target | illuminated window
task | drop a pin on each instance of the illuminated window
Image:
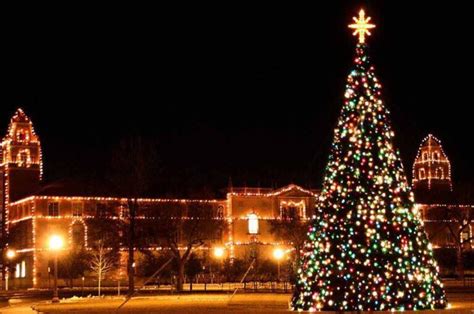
(466, 233)
(53, 209)
(422, 174)
(292, 210)
(23, 269)
(253, 224)
(436, 156)
(424, 156)
(77, 209)
(439, 173)
(20, 270)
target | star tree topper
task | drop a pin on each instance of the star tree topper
(361, 26)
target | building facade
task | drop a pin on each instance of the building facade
(32, 213)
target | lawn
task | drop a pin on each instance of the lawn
(462, 303)
(192, 303)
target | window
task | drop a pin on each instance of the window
(220, 212)
(253, 224)
(439, 173)
(289, 212)
(53, 209)
(22, 136)
(466, 233)
(424, 156)
(23, 158)
(100, 210)
(20, 270)
(436, 156)
(421, 174)
(23, 269)
(77, 209)
(78, 234)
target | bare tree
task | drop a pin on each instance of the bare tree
(101, 264)
(459, 222)
(292, 229)
(134, 165)
(183, 228)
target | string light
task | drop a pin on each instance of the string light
(115, 199)
(274, 192)
(301, 205)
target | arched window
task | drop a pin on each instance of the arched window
(252, 223)
(220, 212)
(422, 174)
(436, 156)
(424, 156)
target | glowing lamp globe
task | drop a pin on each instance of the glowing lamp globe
(278, 254)
(11, 254)
(56, 242)
(218, 252)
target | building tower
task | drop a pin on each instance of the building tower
(20, 163)
(431, 169)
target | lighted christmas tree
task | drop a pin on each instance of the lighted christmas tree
(367, 249)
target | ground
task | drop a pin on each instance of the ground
(274, 303)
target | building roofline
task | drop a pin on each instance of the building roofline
(118, 199)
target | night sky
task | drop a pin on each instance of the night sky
(243, 92)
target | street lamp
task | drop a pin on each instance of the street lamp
(56, 243)
(278, 254)
(219, 252)
(10, 256)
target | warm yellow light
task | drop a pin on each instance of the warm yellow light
(278, 254)
(218, 252)
(361, 26)
(56, 242)
(253, 224)
(11, 254)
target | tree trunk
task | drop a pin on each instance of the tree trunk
(99, 282)
(131, 246)
(459, 263)
(180, 277)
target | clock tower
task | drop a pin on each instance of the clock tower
(20, 163)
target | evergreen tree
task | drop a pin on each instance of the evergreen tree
(367, 249)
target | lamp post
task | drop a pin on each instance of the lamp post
(55, 244)
(219, 254)
(10, 256)
(278, 255)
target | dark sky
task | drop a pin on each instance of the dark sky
(247, 92)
